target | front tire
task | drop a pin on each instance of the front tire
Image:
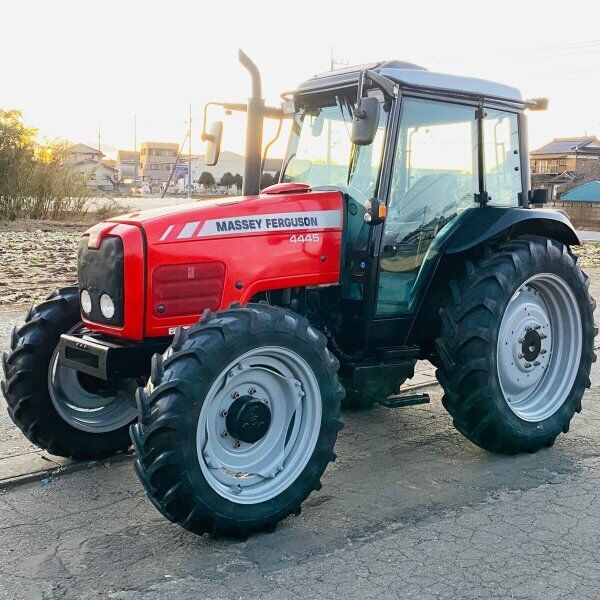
(516, 345)
(55, 408)
(211, 473)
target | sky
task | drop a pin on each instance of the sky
(75, 68)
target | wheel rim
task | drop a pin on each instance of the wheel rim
(539, 347)
(253, 472)
(75, 401)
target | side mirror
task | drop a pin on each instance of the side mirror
(375, 211)
(539, 196)
(539, 104)
(365, 121)
(213, 148)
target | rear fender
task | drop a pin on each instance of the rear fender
(490, 222)
(482, 225)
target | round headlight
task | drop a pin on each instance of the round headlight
(107, 306)
(86, 302)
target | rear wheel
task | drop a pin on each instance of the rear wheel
(516, 345)
(58, 409)
(238, 421)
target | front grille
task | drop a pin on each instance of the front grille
(100, 271)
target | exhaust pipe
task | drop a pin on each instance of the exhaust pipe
(254, 130)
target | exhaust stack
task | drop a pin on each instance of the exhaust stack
(254, 130)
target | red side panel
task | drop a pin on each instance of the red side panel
(265, 243)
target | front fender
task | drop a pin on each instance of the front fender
(490, 221)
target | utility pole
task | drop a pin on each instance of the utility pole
(189, 194)
(135, 170)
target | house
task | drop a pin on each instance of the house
(87, 161)
(565, 163)
(156, 163)
(98, 176)
(79, 152)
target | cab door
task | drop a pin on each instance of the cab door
(434, 180)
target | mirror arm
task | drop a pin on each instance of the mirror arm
(387, 86)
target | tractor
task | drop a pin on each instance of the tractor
(223, 337)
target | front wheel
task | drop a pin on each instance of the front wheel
(238, 421)
(59, 409)
(516, 346)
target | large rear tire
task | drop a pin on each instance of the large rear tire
(238, 421)
(516, 345)
(56, 409)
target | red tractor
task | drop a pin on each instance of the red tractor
(223, 336)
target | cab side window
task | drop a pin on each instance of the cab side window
(502, 157)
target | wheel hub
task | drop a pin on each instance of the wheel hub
(248, 419)
(531, 346)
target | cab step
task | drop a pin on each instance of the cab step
(402, 401)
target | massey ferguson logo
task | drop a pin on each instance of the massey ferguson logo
(294, 221)
(271, 223)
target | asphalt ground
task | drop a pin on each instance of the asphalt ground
(410, 510)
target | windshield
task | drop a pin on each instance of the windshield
(323, 155)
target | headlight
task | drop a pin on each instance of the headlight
(107, 306)
(86, 302)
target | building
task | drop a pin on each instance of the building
(565, 163)
(126, 161)
(588, 192)
(582, 204)
(156, 163)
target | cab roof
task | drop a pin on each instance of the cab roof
(409, 75)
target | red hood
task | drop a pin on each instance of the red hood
(238, 216)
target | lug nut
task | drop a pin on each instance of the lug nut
(235, 395)
(521, 340)
(543, 351)
(536, 326)
(536, 363)
(224, 433)
(252, 391)
(527, 365)
(528, 327)
(520, 355)
(543, 336)
(236, 444)
(223, 413)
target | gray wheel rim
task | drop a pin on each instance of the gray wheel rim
(83, 409)
(250, 473)
(537, 377)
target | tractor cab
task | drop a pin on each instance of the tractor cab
(440, 149)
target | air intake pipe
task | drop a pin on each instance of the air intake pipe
(254, 130)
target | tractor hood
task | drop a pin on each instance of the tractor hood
(280, 208)
(178, 261)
